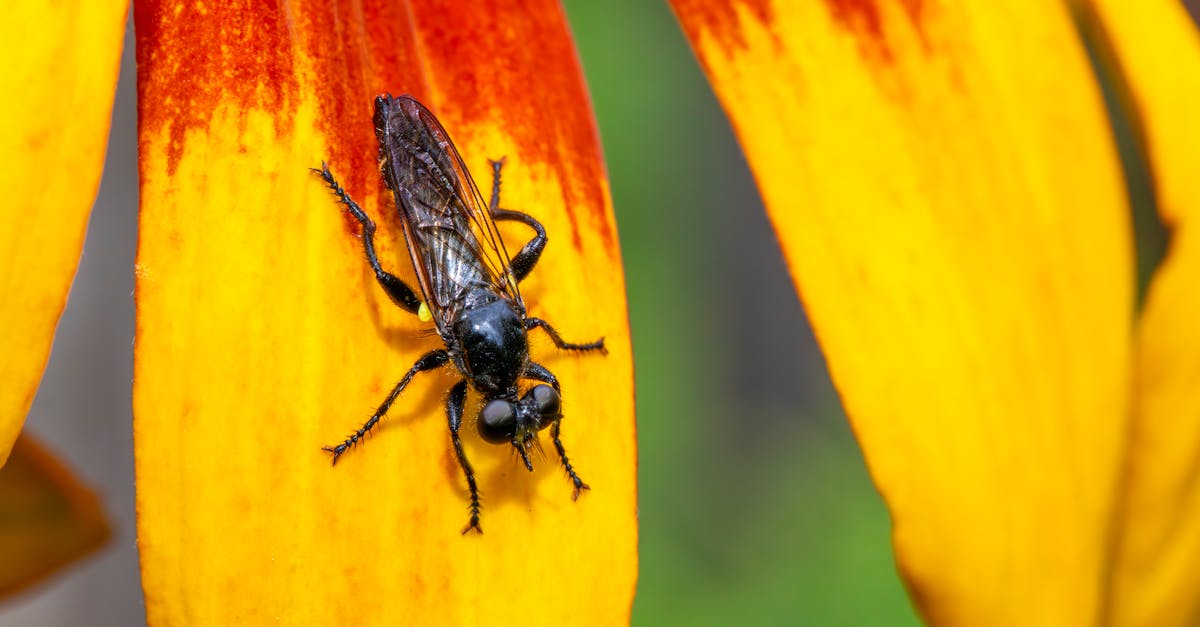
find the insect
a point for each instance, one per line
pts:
(468, 288)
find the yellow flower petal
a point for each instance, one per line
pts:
(950, 205)
(1154, 51)
(61, 61)
(47, 518)
(262, 334)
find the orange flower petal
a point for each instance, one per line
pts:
(1154, 50)
(47, 518)
(950, 205)
(262, 334)
(61, 62)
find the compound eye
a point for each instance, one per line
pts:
(547, 403)
(498, 422)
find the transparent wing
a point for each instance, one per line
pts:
(452, 238)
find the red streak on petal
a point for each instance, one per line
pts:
(518, 71)
(864, 18)
(193, 56)
(471, 63)
(359, 50)
(720, 19)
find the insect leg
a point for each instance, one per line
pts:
(494, 204)
(398, 290)
(454, 412)
(580, 486)
(428, 361)
(538, 372)
(533, 323)
(524, 261)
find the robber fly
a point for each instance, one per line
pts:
(468, 287)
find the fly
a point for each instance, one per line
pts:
(468, 287)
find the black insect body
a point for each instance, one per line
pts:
(468, 286)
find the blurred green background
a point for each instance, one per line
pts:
(755, 506)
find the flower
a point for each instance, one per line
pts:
(262, 335)
(946, 190)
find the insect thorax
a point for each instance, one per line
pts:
(491, 337)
